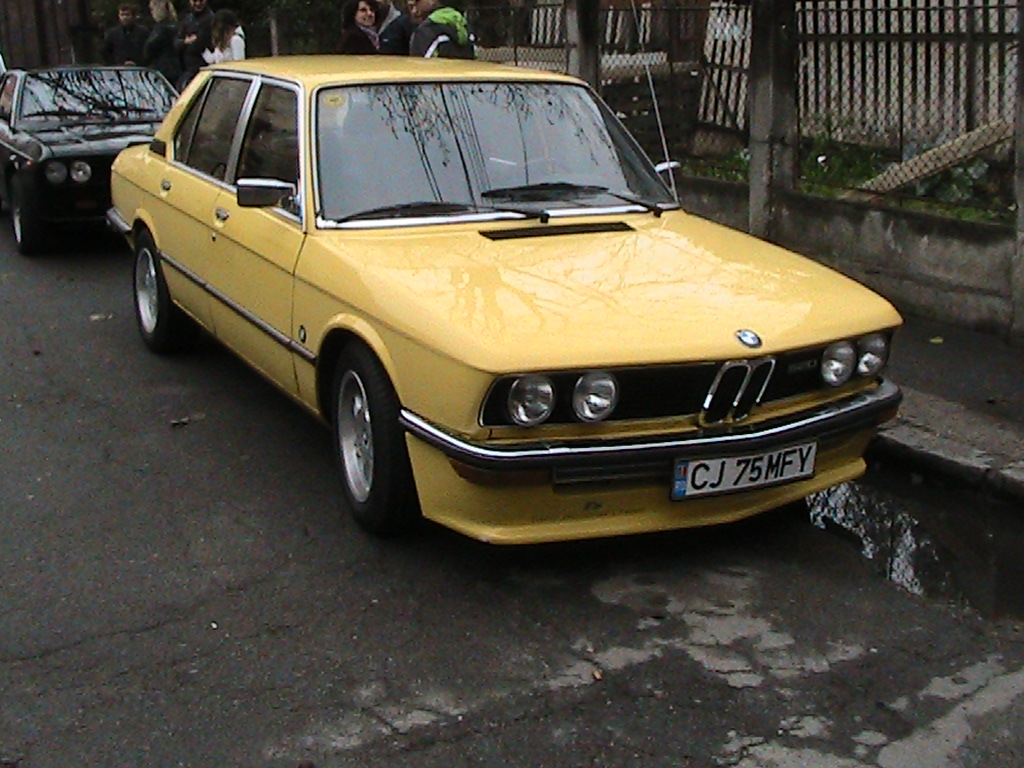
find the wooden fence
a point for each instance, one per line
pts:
(36, 33)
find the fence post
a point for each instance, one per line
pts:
(773, 126)
(1017, 266)
(582, 33)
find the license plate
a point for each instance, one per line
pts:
(704, 477)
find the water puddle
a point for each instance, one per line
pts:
(946, 543)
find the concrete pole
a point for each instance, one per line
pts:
(1017, 264)
(582, 32)
(773, 114)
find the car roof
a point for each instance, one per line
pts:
(317, 70)
(75, 68)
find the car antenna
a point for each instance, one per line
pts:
(654, 98)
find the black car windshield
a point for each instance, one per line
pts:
(75, 95)
(512, 146)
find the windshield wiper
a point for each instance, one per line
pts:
(420, 207)
(548, 190)
(656, 208)
(53, 113)
(560, 190)
(439, 208)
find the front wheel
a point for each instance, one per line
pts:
(29, 233)
(162, 325)
(370, 445)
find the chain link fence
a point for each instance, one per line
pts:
(913, 103)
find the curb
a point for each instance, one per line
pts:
(968, 463)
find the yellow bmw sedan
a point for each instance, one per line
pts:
(477, 279)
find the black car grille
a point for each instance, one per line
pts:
(713, 392)
(71, 200)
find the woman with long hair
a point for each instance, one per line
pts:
(359, 27)
(227, 38)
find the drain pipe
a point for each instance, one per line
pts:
(583, 39)
(1017, 271)
(773, 113)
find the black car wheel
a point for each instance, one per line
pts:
(370, 445)
(163, 325)
(28, 228)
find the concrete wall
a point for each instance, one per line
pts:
(959, 272)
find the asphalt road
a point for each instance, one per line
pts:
(179, 588)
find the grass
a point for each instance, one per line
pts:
(978, 190)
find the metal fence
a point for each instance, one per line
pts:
(910, 101)
(914, 102)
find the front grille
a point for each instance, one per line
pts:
(727, 391)
(738, 387)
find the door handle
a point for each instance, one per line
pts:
(165, 185)
(221, 214)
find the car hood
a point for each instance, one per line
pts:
(94, 139)
(637, 291)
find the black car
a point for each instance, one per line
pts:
(60, 129)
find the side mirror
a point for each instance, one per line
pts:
(158, 147)
(264, 193)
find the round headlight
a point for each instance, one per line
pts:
(531, 400)
(595, 396)
(872, 353)
(837, 363)
(80, 171)
(56, 172)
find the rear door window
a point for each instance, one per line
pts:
(205, 137)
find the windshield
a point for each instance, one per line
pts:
(95, 95)
(392, 150)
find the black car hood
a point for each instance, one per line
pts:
(93, 138)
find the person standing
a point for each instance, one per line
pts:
(442, 31)
(395, 28)
(193, 38)
(359, 28)
(158, 51)
(123, 42)
(227, 38)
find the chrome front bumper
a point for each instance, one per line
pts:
(863, 411)
(117, 223)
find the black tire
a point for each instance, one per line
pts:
(370, 445)
(29, 232)
(162, 324)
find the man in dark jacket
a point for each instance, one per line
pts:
(123, 43)
(442, 32)
(395, 28)
(194, 38)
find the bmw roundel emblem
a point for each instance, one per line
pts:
(748, 338)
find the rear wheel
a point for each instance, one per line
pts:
(162, 325)
(28, 228)
(370, 445)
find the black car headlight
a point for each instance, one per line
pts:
(81, 171)
(56, 172)
(531, 399)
